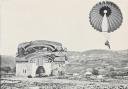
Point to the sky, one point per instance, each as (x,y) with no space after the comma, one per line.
(64,21)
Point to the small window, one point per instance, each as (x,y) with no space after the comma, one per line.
(25,71)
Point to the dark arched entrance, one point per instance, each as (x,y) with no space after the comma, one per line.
(40,71)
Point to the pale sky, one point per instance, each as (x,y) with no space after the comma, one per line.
(64,21)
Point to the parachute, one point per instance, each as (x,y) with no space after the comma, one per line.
(106,17)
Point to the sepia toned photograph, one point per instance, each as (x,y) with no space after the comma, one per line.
(63,44)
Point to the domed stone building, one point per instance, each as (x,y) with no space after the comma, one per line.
(40,57)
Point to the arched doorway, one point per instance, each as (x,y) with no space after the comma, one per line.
(40,71)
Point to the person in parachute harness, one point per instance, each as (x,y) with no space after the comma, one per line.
(108,44)
(106,17)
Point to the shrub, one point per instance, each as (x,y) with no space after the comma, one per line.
(95,72)
(29,76)
(112,74)
(6,69)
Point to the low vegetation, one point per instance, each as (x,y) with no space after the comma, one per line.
(108,70)
(60,84)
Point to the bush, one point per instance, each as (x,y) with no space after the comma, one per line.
(6,69)
(95,72)
(112,74)
(29,76)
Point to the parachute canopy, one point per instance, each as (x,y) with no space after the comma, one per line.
(105,16)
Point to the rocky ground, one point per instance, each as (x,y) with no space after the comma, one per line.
(50,83)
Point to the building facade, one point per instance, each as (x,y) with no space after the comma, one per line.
(40,57)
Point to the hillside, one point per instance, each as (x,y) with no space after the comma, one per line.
(7,61)
(79,62)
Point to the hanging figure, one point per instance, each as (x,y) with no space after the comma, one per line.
(105,17)
(108,44)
